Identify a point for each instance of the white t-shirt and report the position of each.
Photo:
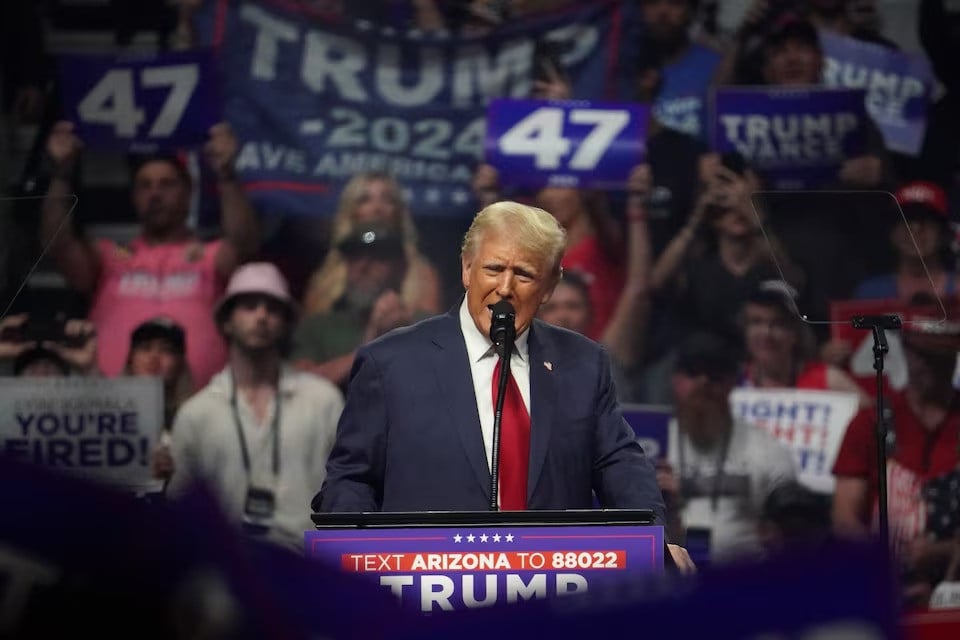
(754, 464)
(206, 446)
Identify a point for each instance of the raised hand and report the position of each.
(10, 348)
(83, 356)
(221, 150)
(63, 146)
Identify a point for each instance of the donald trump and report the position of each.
(416, 433)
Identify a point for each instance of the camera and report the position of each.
(39, 329)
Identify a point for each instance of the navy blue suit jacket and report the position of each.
(409, 438)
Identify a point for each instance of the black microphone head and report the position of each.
(502, 323)
(503, 308)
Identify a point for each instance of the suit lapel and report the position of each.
(452, 370)
(543, 402)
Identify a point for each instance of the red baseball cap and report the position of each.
(923, 197)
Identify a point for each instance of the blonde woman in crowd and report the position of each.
(373, 198)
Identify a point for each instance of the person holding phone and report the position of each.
(720, 256)
(48, 349)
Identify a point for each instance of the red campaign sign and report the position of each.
(861, 341)
(932, 625)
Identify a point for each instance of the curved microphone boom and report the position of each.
(503, 332)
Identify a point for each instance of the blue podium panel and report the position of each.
(447, 568)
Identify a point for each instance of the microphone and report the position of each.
(503, 332)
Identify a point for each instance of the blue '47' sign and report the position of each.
(536, 143)
(141, 104)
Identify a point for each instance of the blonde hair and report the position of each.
(329, 282)
(531, 228)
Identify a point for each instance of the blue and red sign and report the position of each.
(141, 104)
(537, 143)
(447, 569)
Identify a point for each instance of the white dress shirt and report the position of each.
(483, 360)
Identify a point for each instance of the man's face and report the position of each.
(929, 374)
(568, 307)
(498, 270)
(927, 234)
(161, 197)
(702, 405)
(769, 333)
(667, 20)
(793, 63)
(369, 274)
(257, 322)
(155, 357)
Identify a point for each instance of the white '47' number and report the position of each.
(540, 135)
(112, 101)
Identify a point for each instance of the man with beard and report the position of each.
(923, 461)
(688, 67)
(925, 420)
(166, 270)
(325, 344)
(720, 470)
(259, 434)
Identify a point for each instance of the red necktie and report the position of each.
(514, 445)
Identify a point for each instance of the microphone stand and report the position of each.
(502, 334)
(502, 379)
(879, 324)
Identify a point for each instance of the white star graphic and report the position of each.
(509, 537)
(496, 537)
(432, 195)
(470, 538)
(459, 196)
(457, 538)
(483, 538)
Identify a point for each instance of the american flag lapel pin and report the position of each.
(548, 365)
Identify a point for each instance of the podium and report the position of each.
(446, 561)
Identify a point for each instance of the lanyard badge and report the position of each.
(260, 502)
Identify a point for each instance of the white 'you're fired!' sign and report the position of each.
(101, 429)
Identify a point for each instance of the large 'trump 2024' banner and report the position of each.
(315, 102)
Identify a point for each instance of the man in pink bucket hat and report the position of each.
(260, 433)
